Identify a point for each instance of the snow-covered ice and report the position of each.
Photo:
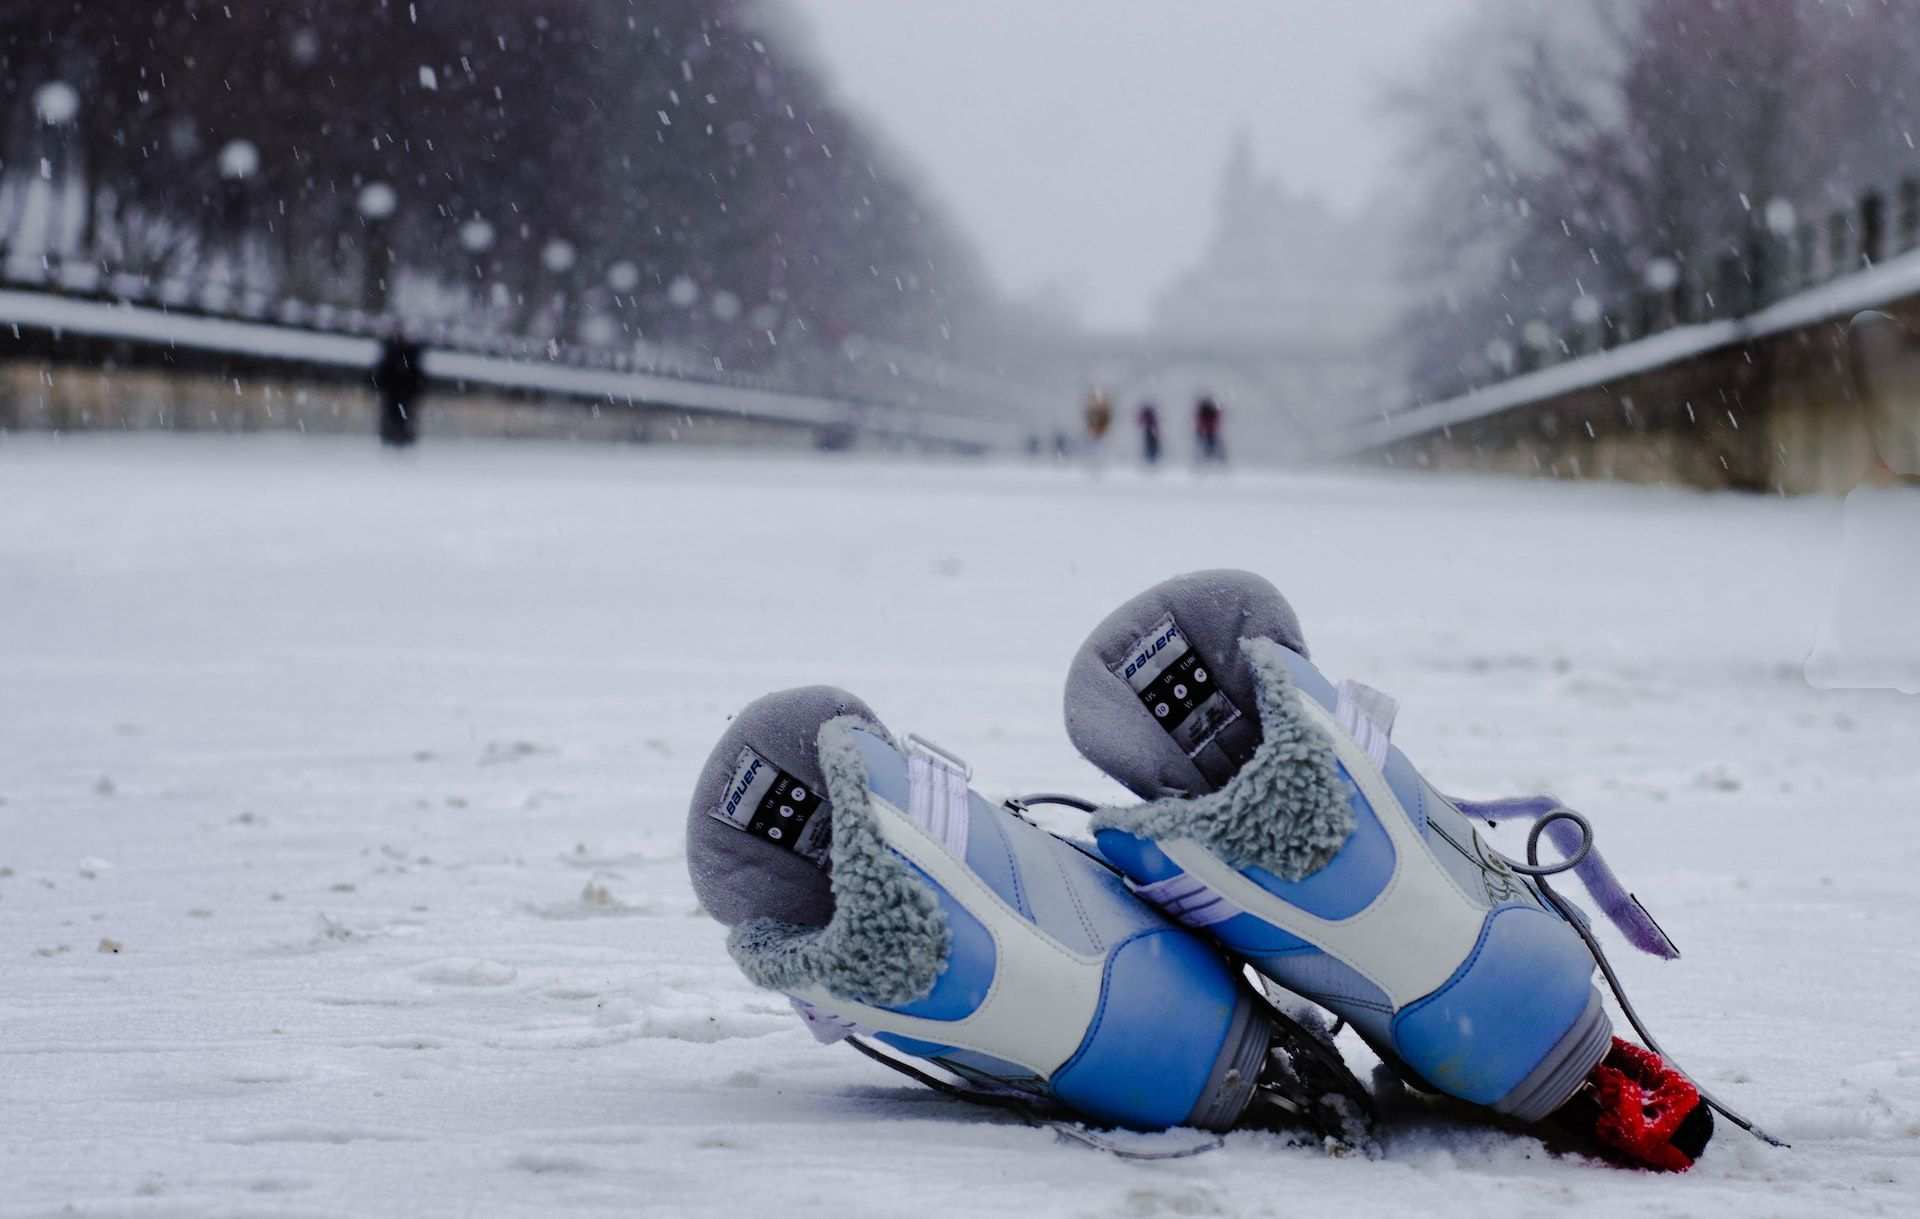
(341, 800)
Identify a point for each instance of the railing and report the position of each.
(70, 308)
(1875, 270)
(1778, 256)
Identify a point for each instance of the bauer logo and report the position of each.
(1179, 691)
(740, 788)
(752, 774)
(1152, 652)
(775, 807)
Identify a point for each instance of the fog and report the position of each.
(1079, 142)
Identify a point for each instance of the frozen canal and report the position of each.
(341, 802)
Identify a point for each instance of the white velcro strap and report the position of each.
(937, 798)
(1367, 715)
(1186, 899)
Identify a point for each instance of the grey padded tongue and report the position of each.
(758, 827)
(1160, 696)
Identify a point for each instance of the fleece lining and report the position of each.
(887, 941)
(1288, 810)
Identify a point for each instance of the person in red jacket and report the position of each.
(1206, 430)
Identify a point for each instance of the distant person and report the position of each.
(1206, 431)
(1150, 433)
(1099, 414)
(398, 380)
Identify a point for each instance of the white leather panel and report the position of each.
(1043, 994)
(1411, 938)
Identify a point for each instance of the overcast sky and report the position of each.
(1079, 141)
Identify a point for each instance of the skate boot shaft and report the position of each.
(1283, 822)
(953, 930)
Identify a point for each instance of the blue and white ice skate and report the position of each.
(862, 877)
(1283, 822)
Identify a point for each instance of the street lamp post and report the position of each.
(477, 239)
(239, 165)
(558, 257)
(1587, 318)
(398, 378)
(1663, 281)
(56, 109)
(377, 203)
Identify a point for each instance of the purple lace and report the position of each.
(1622, 908)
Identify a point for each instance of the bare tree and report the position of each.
(1595, 140)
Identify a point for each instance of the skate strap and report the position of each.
(1367, 714)
(937, 797)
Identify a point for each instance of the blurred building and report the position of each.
(1281, 265)
(1282, 321)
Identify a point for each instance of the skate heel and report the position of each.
(1518, 1025)
(1565, 1067)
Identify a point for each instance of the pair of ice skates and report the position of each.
(1107, 983)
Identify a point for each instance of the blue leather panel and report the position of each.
(1310, 680)
(1351, 879)
(963, 984)
(1102, 896)
(1140, 859)
(1166, 1006)
(1408, 787)
(1058, 884)
(1510, 1002)
(886, 767)
(1325, 978)
(1400, 774)
(990, 856)
(1137, 857)
(1251, 936)
(1336, 986)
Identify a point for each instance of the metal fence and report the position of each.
(76, 313)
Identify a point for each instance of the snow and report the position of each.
(341, 866)
(1867, 639)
